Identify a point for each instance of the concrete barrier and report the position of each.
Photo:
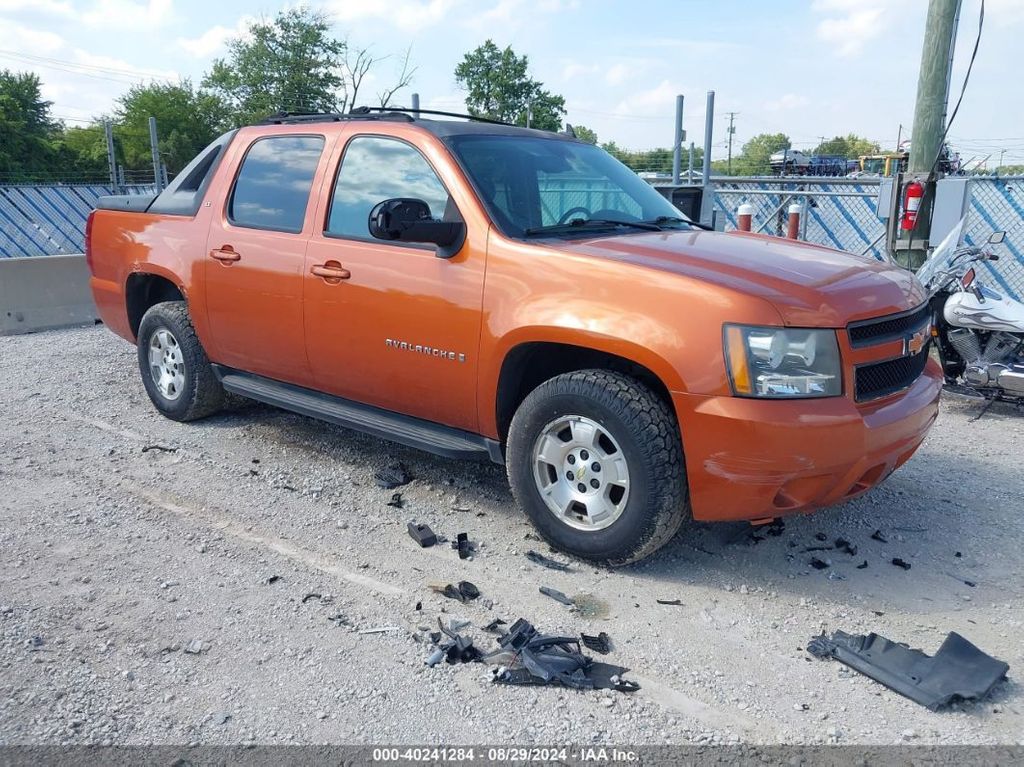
(44, 292)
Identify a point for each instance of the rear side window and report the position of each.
(272, 188)
(377, 169)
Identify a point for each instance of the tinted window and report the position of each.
(272, 188)
(377, 169)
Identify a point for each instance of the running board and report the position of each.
(406, 430)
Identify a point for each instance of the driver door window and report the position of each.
(375, 169)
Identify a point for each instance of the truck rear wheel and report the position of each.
(595, 460)
(175, 370)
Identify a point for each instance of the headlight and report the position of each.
(782, 362)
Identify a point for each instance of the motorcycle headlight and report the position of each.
(779, 363)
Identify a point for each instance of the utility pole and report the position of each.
(930, 115)
(677, 142)
(732, 130)
(157, 180)
(108, 132)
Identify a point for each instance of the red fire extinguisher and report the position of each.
(912, 195)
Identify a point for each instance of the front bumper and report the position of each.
(759, 459)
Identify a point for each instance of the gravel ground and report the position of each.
(157, 595)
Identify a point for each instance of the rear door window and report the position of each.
(273, 184)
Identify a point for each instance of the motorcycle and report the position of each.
(979, 332)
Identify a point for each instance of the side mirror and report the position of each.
(408, 219)
(996, 237)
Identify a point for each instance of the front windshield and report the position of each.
(530, 184)
(941, 258)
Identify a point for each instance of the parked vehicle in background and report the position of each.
(485, 291)
(980, 332)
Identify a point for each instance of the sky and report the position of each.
(808, 68)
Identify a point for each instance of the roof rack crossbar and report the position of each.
(408, 110)
(290, 118)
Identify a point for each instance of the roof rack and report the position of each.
(406, 110)
(291, 118)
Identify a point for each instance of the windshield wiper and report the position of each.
(661, 220)
(578, 224)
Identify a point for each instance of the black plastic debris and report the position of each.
(311, 595)
(463, 592)
(495, 626)
(422, 534)
(602, 643)
(396, 502)
(393, 475)
(339, 619)
(972, 584)
(958, 671)
(775, 528)
(900, 563)
(527, 657)
(672, 602)
(863, 565)
(877, 536)
(820, 536)
(539, 559)
(846, 547)
(273, 579)
(556, 595)
(818, 564)
(161, 448)
(457, 648)
(463, 545)
(958, 555)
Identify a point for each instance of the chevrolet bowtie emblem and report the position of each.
(914, 343)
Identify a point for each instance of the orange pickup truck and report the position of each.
(482, 290)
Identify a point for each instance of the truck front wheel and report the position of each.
(175, 370)
(595, 460)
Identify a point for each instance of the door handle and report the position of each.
(226, 254)
(332, 271)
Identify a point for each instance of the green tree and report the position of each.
(289, 64)
(753, 159)
(27, 130)
(850, 146)
(583, 133)
(186, 119)
(499, 87)
(82, 153)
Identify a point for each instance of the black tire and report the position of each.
(200, 393)
(647, 433)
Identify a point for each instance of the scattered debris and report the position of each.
(463, 545)
(539, 559)
(393, 475)
(339, 619)
(462, 509)
(312, 595)
(396, 501)
(459, 649)
(900, 563)
(877, 536)
(602, 643)
(196, 647)
(419, 606)
(958, 671)
(557, 595)
(463, 592)
(494, 625)
(672, 602)
(821, 536)
(818, 564)
(972, 584)
(809, 549)
(162, 448)
(422, 534)
(958, 555)
(863, 565)
(527, 657)
(846, 547)
(775, 528)
(380, 630)
(273, 579)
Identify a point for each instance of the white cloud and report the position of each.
(661, 99)
(129, 14)
(53, 7)
(28, 40)
(850, 24)
(215, 38)
(618, 74)
(785, 103)
(407, 14)
(573, 69)
(120, 68)
(506, 15)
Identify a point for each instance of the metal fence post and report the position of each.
(677, 141)
(108, 132)
(707, 205)
(156, 154)
(415, 105)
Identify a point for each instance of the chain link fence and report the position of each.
(997, 204)
(837, 212)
